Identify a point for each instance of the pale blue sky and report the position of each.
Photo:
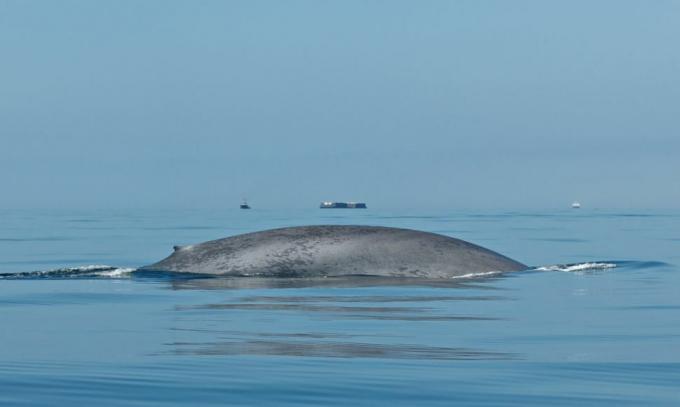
(434, 104)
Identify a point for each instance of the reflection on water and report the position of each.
(358, 313)
(347, 298)
(222, 283)
(336, 350)
(388, 308)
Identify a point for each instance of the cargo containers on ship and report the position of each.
(342, 205)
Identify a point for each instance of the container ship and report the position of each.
(342, 205)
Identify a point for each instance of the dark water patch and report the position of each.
(371, 299)
(84, 220)
(345, 312)
(558, 239)
(336, 350)
(637, 215)
(73, 298)
(416, 318)
(303, 335)
(95, 228)
(590, 338)
(302, 308)
(236, 283)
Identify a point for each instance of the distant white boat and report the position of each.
(576, 205)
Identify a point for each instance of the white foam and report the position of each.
(92, 270)
(578, 267)
(115, 273)
(91, 267)
(482, 274)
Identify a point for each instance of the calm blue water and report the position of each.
(599, 336)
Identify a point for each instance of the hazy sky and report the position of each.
(436, 104)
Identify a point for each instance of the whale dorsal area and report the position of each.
(334, 250)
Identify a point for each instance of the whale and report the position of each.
(336, 251)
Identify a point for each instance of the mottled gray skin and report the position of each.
(318, 251)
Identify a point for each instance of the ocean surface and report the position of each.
(594, 321)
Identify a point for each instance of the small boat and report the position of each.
(576, 205)
(244, 205)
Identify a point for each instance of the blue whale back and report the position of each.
(333, 250)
